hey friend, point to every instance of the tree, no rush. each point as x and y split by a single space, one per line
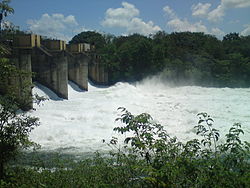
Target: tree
5 9
90 37
14 131
14 126
158 58
166 162
180 55
135 55
231 37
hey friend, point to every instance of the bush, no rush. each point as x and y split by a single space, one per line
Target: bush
15 126
150 157
14 130
170 163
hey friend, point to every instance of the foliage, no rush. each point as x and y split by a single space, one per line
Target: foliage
14 82
95 172
90 37
169 163
15 126
149 157
195 58
14 130
5 9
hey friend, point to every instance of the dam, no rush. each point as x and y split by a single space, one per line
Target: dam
53 63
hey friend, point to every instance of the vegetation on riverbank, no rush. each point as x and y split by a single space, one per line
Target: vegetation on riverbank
195 58
149 157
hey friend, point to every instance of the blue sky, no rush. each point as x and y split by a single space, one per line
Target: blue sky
63 19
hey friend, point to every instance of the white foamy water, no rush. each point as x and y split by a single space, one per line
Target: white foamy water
80 123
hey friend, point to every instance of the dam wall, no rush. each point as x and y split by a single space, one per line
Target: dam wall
78 70
53 64
78 61
24 79
97 71
51 70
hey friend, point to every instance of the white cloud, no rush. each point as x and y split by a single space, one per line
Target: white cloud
218 32
246 31
70 20
55 26
234 21
200 10
235 3
80 29
139 26
177 24
128 17
127 11
219 12
184 25
170 12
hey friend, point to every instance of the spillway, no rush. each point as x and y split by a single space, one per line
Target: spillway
80 123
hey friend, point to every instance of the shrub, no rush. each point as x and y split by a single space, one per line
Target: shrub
170 163
14 130
150 157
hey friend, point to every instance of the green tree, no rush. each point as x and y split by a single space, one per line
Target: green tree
109 58
158 58
90 37
180 55
232 43
14 131
135 55
14 126
170 163
231 37
5 9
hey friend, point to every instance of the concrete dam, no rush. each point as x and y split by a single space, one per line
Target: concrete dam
53 64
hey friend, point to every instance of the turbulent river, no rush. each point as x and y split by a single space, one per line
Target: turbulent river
80 123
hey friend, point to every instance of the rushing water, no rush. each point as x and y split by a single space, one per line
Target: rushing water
80 123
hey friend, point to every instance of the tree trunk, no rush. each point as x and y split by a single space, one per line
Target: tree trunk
1 170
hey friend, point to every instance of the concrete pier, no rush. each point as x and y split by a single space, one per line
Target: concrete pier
25 78
78 61
78 70
51 70
97 71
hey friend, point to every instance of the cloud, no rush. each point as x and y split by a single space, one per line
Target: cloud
55 26
200 10
246 31
235 3
80 29
184 25
170 12
139 26
128 11
217 14
128 17
234 21
178 24
218 32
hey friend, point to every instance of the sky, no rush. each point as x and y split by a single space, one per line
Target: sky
62 19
